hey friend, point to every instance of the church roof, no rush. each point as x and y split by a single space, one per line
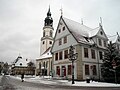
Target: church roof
46 54
21 62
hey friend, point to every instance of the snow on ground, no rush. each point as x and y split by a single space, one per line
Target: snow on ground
49 80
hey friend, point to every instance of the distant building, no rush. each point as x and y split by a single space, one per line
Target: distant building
116 40
90 45
44 62
1 67
20 66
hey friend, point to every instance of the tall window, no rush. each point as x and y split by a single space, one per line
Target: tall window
43 42
65 39
100 42
86 52
87 70
94 70
51 33
63 28
93 54
69 69
44 34
100 55
56 56
60 55
58 70
59 30
104 43
60 41
66 54
46 64
40 66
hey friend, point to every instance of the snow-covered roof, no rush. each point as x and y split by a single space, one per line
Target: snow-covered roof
46 54
81 32
22 62
113 38
77 28
93 32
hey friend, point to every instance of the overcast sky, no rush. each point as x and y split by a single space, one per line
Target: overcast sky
21 22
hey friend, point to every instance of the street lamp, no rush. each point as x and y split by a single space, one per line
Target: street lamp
72 57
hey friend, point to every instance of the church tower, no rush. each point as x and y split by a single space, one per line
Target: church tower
47 39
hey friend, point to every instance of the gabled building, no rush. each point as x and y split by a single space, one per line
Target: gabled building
20 66
89 43
43 63
115 39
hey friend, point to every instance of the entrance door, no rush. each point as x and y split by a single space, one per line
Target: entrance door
63 71
58 70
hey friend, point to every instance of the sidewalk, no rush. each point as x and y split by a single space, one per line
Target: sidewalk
49 80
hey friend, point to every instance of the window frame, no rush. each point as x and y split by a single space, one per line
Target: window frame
87 70
60 41
100 41
56 56
65 54
100 55
65 39
60 55
86 54
69 71
93 54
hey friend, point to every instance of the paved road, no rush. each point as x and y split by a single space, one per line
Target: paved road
8 83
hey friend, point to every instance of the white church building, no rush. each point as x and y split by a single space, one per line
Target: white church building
44 62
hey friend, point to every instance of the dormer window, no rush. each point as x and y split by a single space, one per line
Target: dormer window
59 30
63 28
101 32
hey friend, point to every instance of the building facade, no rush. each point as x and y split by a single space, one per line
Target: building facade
90 45
20 66
43 63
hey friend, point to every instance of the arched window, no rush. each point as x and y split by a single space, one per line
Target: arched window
51 33
46 64
39 65
44 34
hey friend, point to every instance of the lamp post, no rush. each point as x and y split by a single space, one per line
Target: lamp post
72 57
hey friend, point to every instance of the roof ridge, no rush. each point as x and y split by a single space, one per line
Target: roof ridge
77 22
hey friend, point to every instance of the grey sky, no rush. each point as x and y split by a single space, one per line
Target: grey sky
21 22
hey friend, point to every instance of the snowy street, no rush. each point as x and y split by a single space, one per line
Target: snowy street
14 83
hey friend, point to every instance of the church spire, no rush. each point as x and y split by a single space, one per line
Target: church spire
48 19
49 13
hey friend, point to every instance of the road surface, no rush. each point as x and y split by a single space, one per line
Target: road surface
8 83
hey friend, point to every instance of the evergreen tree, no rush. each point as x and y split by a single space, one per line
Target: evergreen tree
111 63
